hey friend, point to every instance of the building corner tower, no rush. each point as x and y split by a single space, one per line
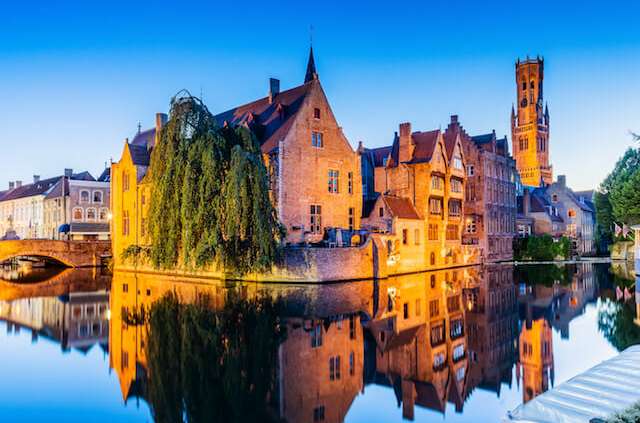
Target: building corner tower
530 125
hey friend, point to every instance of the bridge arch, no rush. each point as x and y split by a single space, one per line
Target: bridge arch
68 253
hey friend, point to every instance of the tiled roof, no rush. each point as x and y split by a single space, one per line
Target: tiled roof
43 187
105 176
379 154
56 191
145 138
2 194
400 207
425 143
483 139
269 121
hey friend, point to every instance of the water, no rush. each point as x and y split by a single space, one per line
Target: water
461 345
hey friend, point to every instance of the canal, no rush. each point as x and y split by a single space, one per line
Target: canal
462 345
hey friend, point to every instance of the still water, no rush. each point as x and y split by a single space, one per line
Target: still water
462 345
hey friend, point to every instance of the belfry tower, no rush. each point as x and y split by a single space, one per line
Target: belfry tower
530 125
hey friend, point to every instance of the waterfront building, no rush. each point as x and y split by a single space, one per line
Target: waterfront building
314 172
26 213
558 211
425 179
535 359
490 192
530 125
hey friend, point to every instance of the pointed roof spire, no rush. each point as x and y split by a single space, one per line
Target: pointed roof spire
311 68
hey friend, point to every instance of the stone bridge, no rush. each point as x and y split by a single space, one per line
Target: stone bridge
68 253
65 282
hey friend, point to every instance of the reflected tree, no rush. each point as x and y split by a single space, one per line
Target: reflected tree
616 322
213 366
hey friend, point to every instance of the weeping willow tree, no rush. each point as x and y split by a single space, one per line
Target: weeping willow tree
210 195
213 366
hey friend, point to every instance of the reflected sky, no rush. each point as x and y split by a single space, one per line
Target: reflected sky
462 345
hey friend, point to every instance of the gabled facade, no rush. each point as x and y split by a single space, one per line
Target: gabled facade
423 170
314 171
490 194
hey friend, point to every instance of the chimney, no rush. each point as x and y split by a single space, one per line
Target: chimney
18 184
274 89
405 152
68 172
562 180
454 118
12 185
36 178
161 121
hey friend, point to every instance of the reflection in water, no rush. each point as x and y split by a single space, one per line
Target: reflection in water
254 352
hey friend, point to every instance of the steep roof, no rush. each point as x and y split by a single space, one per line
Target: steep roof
105 176
400 207
145 138
425 143
140 154
311 73
379 155
269 120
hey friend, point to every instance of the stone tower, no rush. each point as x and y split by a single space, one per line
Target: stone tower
530 125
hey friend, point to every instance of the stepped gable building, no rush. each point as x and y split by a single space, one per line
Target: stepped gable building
420 169
315 173
530 125
490 194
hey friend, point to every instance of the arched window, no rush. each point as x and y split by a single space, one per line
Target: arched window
84 196
78 214
432 259
433 281
104 213
524 85
91 213
97 197
532 84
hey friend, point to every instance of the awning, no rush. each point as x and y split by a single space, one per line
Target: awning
64 228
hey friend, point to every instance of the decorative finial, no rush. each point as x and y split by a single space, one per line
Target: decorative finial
139 127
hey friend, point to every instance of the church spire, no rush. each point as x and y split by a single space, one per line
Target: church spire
311 68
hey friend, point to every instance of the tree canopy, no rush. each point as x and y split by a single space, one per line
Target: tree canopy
210 195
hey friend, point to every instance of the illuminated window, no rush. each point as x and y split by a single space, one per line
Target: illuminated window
437 182
91 213
433 232
457 163
78 214
571 213
435 206
416 236
334 181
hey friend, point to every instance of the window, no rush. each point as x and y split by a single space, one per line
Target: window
571 213
315 219
524 85
97 197
416 236
435 206
470 170
104 214
432 259
437 182
405 237
316 113
334 368
316 336
84 196
352 363
453 303
456 185
432 279
531 84
318 414
418 307
457 329
452 232
433 232
91 213
125 181
316 139
350 182
352 327
434 307
554 198
334 181
125 222
437 335
78 214
351 218
457 163
405 310
455 208
381 212
471 226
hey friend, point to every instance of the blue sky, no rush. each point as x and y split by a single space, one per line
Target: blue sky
76 78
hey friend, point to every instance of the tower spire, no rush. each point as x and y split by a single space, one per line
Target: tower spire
311 67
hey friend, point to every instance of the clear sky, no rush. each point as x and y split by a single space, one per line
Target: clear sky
77 77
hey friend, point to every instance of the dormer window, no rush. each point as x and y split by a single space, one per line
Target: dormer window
316 113
554 198
457 163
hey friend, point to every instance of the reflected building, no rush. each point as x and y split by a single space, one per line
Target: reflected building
490 298
535 360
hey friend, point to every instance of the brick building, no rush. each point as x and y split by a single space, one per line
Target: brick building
490 194
420 170
315 173
530 125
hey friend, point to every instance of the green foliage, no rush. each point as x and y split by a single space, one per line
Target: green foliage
543 274
210 196
604 221
134 252
541 248
203 365
616 322
630 415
